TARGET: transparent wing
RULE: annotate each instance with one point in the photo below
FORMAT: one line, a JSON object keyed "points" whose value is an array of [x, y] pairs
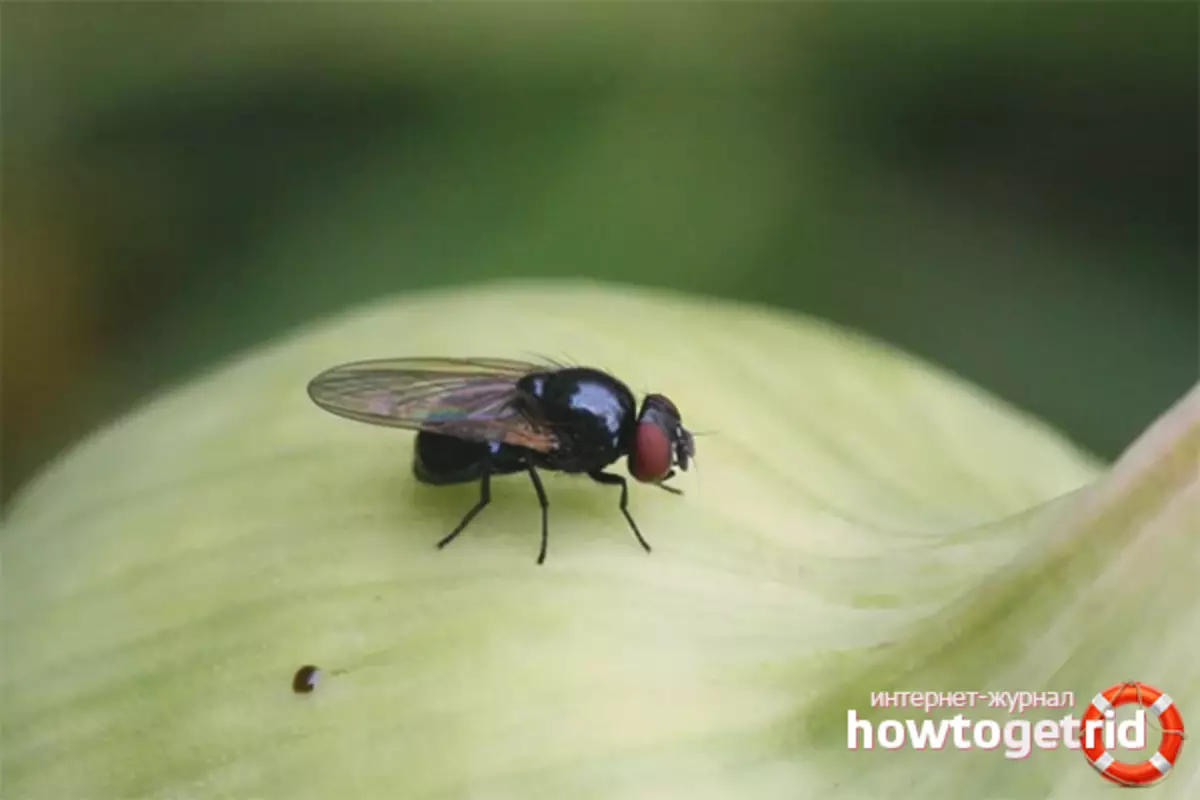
{"points": [[468, 398]]}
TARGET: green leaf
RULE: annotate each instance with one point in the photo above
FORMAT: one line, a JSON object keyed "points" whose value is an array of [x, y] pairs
{"points": [[839, 536]]}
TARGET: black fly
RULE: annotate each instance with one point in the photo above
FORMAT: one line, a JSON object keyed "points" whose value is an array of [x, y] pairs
{"points": [[479, 417]]}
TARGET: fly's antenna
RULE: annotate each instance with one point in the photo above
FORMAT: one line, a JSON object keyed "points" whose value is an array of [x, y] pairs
{"points": [[692, 456]]}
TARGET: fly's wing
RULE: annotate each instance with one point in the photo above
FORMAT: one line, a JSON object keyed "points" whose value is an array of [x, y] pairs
{"points": [[468, 398]]}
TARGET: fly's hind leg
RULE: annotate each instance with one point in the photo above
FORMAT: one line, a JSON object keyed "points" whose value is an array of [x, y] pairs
{"points": [[485, 497], [600, 476]]}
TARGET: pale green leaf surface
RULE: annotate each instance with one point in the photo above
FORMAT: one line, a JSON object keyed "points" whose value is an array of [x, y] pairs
{"points": [[839, 536]]}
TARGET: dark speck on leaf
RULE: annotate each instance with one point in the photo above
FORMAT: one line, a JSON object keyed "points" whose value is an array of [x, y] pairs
{"points": [[305, 679]]}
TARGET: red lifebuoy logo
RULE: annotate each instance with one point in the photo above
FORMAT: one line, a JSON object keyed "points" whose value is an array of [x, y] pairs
{"points": [[1102, 709]]}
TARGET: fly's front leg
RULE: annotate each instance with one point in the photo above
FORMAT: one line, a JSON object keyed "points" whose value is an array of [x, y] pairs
{"points": [[600, 476], [663, 484]]}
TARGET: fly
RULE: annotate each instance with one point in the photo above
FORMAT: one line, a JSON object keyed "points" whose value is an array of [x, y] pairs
{"points": [[479, 417]]}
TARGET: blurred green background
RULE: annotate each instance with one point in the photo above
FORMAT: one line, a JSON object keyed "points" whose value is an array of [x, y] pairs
{"points": [[1007, 189]]}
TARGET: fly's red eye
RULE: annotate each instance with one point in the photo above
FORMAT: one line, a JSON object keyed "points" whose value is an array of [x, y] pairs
{"points": [[650, 458]]}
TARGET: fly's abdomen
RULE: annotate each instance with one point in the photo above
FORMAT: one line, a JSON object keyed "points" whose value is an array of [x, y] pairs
{"points": [[440, 460]]}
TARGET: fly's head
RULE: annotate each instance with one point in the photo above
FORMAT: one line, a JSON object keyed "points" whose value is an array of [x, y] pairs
{"points": [[661, 442]]}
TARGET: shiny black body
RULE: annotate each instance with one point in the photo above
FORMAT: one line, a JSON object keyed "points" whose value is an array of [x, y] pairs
{"points": [[594, 416], [595, 413], [479, 417]]}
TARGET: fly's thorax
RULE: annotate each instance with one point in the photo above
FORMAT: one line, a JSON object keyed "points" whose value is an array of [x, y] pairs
{"points": [[592, 414]]}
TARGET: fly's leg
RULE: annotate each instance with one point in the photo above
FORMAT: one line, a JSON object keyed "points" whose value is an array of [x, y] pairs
{"points": [[541, 494], [600, 476], [485, 497], [663, 484]]}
